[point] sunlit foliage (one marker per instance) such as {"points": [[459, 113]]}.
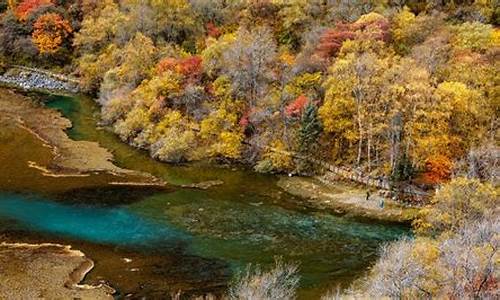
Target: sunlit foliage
{"points": [[50, 31]]}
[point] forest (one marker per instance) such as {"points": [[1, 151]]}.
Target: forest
{"points": [[402, 89], [406, 89]]}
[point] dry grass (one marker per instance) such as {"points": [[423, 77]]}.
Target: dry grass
{"points": [[278, 283]]}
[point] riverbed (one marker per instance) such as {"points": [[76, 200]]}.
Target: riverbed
{"points": [[156, 241]]}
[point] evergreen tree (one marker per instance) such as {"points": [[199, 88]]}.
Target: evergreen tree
{"points": [[310, 130]]}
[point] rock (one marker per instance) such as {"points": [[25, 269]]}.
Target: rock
{"points": [[32, 80]]}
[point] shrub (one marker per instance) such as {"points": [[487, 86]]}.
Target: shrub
{"points": [[279, 283], [459, 202]]}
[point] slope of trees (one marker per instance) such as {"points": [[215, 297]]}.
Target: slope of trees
{"points": [[406, 89]]}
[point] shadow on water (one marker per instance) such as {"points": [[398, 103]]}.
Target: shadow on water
{"points": [[107, 195]]}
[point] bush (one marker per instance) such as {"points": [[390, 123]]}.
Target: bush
{"points": [[458, 265], [459, 202], [279, 283]]}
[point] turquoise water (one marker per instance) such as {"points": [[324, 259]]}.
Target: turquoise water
{"points": [[115, 225], [187, 239]]}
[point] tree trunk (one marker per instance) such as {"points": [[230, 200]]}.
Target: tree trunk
{"points": [[369, 147], [360, 128]]}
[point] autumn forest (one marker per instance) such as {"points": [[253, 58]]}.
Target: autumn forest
{"points": [[405, 91]]}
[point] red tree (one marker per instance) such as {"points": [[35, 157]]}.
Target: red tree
{"points": [[245, 120], [212, 30], [331, 40], [437, 169], [297, 106], [190, 68], [26, 7]]}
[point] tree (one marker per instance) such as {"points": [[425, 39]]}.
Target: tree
{"points": [[221, 132], [101, 28], [356, 83], [332, 40], [310, 129], [466, 124], [458, 265], [350, 10], [212, 55], [135, 62], [397, 274], [248, 62], [189, 67], [409, 30], [483, 163], [172, 139], [26, 7], [437, 169], [277, 159], [474, 36], [459, 202], [296, 17], [308, 135], [407, 92], [49, 32], [174, 19], [297, 106]]}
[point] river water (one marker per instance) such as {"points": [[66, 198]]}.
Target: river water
{"points": [[153, 242]]}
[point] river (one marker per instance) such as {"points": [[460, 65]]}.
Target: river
{"points": [[153, 242]]}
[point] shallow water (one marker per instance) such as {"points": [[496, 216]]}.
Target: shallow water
{"points": [[178, 239]]}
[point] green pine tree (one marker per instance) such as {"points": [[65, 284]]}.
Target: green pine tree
{"points": [[310, 130]]}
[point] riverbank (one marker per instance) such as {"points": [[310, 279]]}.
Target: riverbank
{"points": [[70, 158], [38, 80], [48, 271], [345, 199]]}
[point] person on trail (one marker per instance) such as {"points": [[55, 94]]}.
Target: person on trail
{"points": [[381, 203], [367, 195]]}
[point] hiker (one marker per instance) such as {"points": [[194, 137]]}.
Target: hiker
{"points": [[381, 205], [367, 195]]}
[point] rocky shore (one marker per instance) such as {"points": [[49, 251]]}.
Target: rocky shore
{"points": [[46, 271], [37, 80]]}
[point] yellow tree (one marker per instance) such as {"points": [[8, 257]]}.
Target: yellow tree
{"points": [[351, 106], [457, 203], [101, 27], [407, 92]]}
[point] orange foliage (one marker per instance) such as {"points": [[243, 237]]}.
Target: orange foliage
{"points": [[245, 120], [212, 30], [25, 8], [331, 40], [297, 106], [190, 67], [437, 169], [49, 32]]}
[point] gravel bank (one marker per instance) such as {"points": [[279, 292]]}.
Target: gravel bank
{"points": [[31, 80]]}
